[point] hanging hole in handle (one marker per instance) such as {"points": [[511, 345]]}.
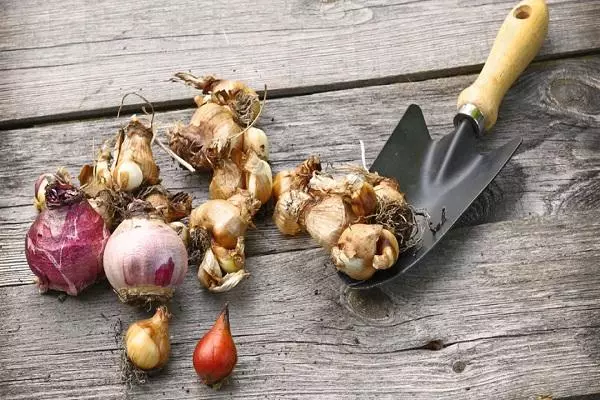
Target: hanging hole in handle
{"points": [[522, 12]]}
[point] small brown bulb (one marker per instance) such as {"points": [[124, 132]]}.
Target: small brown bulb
{"points": [[147, 341]]}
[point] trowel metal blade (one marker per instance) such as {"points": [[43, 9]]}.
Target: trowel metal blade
{"points": [[440, 178]]}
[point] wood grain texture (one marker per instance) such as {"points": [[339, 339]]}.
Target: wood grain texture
{"points": [[555, 171], [60, 57], [492, 313]]}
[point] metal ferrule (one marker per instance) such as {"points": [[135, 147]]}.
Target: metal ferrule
{"points": [[473, 114]]}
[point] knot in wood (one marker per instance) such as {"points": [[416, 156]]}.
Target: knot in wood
{"points": [[575, 96], [371, 305]]}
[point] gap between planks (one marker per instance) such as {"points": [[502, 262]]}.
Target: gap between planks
{"points": [[180, 104]]}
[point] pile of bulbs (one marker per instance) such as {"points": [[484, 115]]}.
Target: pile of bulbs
{"points": [[123, 224], [362, 219]]}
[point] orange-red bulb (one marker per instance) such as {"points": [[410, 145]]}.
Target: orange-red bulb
{"points": [[215, 355]]}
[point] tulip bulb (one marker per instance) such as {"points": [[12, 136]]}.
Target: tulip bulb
{"points": [[147, 341], [215, 354]]}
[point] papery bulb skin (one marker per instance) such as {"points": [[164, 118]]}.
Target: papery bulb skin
{"points": [[129, 176], [147, 341], [289, 211], [145, 260], [65, 243], [327, 219], [215, 354], [364, 249], [256, 140], [282, 183]]}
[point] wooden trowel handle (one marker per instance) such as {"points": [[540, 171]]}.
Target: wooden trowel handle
{"points": [[518, 41]]}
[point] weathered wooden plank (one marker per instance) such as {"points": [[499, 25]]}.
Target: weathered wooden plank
{"points": [[87, 55], [554, 107], [508, 316]]}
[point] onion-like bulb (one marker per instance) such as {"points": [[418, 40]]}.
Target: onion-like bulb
{"points": [[222, 219], [246, 202], [388, 191], [363, 198], [129, 176], [297, 179], [289, 211], [147, 341], [172, 207], [236, 95], [326, 220], [211, 131], [211, 276], [256, 140], [227, 179], [225, 223], [65, 243], [145, 259], [215, 354], [134, 163], [363, 249], [182, 231], [282, 183], [259, 179]]}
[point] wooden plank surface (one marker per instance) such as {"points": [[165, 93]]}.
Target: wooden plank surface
{"points": [[554, 106], [508, 320], [69, 57], [506, 308]]}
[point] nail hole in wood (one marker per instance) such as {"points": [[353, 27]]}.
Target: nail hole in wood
{"points": [[459, 366], [522, 12]]}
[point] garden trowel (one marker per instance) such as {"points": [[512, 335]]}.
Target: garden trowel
{"points": [[443, 177]]}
